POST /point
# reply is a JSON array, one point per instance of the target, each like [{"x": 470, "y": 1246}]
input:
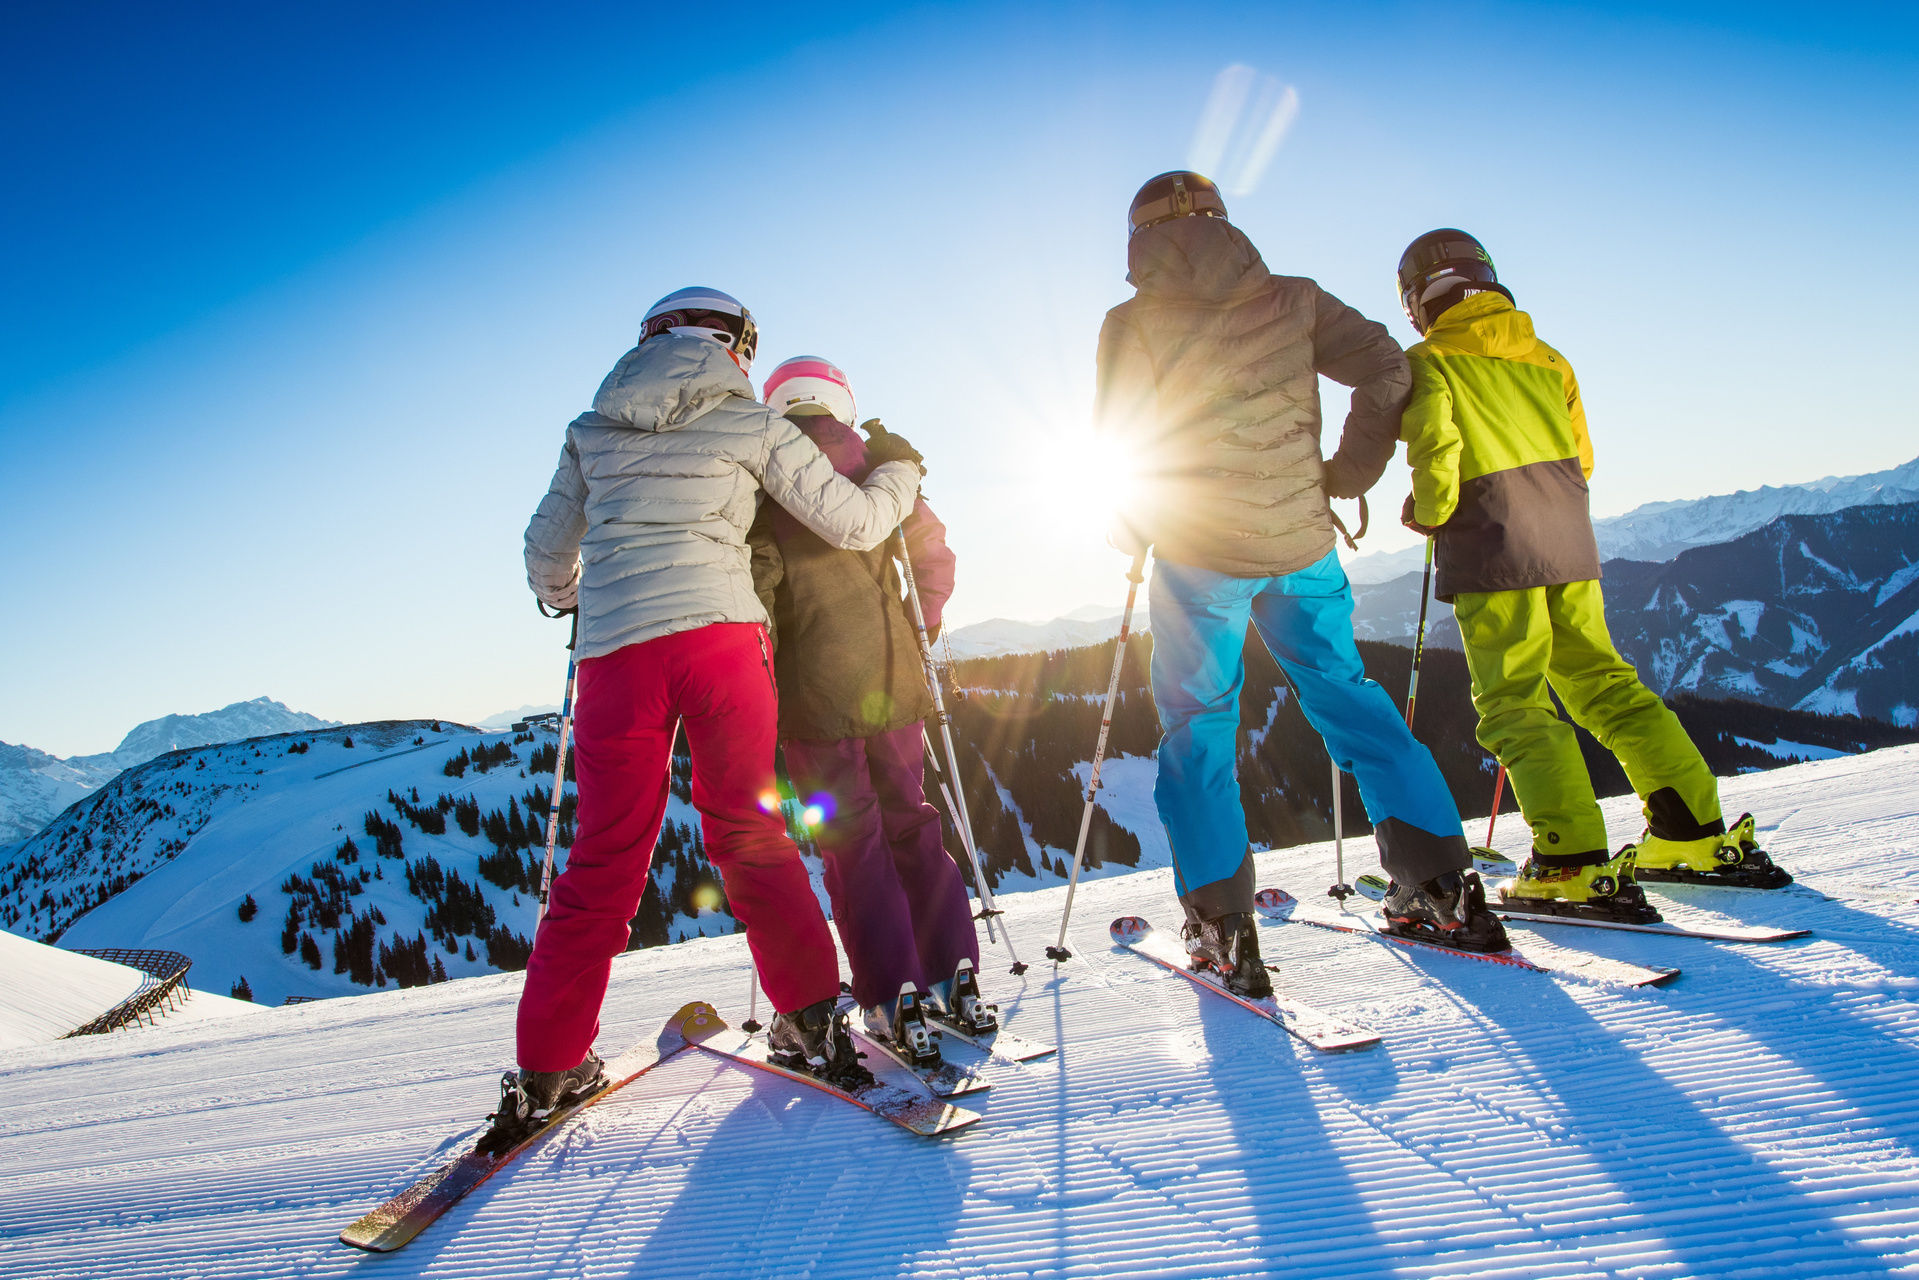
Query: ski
[
  {"x": 1710, "y": 932},
  {"x": 400, "y": 1219},
  {"x": 999, "y": 1042},
  {"x": 1278, "y": 905},
  {"x": 1492, "y": 865},
  {"x": 1321, "y": 1030},
  {"x": 944, "y": 1079},
  {"x": 896, "y": 1094}
]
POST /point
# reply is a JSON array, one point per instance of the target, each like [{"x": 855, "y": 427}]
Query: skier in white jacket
[{"x": 644, "y": 529}]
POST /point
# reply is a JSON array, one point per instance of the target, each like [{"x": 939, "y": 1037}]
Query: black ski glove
[
  {"x": 1406, "y": 518},
  {"x": 886, "y": 446}
]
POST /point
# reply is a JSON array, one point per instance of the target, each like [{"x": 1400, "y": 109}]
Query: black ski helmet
[
  {"x": 1436, "y": 264},
  {"x": 1178, "y": 194}
]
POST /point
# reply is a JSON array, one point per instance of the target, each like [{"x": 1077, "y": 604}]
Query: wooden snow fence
[{"x": 163, "y": 975}]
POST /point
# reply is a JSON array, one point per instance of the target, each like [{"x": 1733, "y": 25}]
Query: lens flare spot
[
  {"x": 770, "y": 801},
  {"x": 819, "y": 808},
  {"x": 813, "y": 815},
  {"x": 706, "y": 897}
]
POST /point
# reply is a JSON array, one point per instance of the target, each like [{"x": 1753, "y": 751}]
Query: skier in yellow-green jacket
[{"x": 1496, "y": 437}]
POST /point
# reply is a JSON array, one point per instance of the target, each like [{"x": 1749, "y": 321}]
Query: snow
[
  {"x": 1083, "y": 626},
  {"x": 1760, "y": 1117},
  {"x": 35, "y": 786},
  {"x": 1659, "y": 531},
  {"x": 1896, "y": 583},
  {"x": 1786, "y": 750},
  {"x": 49, "y": 991}
]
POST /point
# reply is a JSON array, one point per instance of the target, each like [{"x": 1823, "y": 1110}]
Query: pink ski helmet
[{"x": 809, "y": 384}]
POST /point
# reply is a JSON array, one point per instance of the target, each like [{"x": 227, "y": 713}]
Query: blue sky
[{"x": 301, "y": 301}]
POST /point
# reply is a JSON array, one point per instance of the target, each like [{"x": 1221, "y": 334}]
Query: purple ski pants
[{"x": 897, "y": 894}]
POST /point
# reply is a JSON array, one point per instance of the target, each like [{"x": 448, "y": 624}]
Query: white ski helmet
[
  {"x": 809, "y": 384},
  {"x": 694, "y": 312}
]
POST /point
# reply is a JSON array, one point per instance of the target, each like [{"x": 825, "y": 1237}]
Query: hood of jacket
[
  {"x": 1486, "y": 324},
  {"x": 1202, "y": 259},
  {"x": 668, "y": 381}
]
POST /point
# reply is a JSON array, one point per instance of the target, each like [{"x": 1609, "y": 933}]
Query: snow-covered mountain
[
  {"x": 1090, "y": 624},
  {"x": 507, "y": 719},
  {"x": 1661, "y": 530},
  {"x": 1759, "y": 1117},
  {"x": 34, "y": 786},
  {"x": 255, "y": 718},
  {"x": 329, "y": 861},
  {"x": 1818, "y": 612}
]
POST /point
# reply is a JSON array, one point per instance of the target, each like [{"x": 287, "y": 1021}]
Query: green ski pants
[{"x": 1518, "y": 643}]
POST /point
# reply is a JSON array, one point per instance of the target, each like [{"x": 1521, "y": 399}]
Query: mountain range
[
  {"x": 34, "y": 786},
  {"x": 1659, "y": 531},
  {"x": 1818, "y": 612}
]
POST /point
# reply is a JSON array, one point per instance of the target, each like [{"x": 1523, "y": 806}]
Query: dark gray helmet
[
  {"x": 1178, "y": 194},
  {"x": 1438, "y": 264}
]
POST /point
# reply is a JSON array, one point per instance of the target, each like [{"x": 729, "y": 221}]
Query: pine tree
[
  {"x": 248, "y": 908},
  {"x": 241, "y": 991}
]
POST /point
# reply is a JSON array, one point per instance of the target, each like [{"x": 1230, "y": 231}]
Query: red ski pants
[{"x": 718, "y": 681}]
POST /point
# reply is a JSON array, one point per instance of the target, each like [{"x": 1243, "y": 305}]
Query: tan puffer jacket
[
  {"x": 645, "y": 521},
  {"x": 1209, "y": 381}
]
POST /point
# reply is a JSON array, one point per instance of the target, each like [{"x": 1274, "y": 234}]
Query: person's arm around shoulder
[
  {"x": 1350, "y": 349},
  {"x": 553, "y": 535},
  {"x": 1433, "y": 445},
  {"x": 854, "y": 517}
]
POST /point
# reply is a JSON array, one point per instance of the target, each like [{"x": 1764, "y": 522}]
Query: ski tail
[{"x": 396, "y": 1223}]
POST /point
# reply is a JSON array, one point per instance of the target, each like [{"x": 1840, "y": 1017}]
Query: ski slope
[{"x": 1760, "y": 1117}]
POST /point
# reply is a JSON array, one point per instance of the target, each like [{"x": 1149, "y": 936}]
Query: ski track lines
[{"x": 1760, "y": 1117}]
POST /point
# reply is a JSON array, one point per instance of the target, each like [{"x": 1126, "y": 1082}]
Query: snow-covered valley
[{"x": 1759, "y": 1117}]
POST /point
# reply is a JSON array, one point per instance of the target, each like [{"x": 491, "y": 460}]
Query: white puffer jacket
[{"x": 645, "y": 522}]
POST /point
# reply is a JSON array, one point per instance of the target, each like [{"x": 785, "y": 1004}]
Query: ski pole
[
  {"x": 956, "y": 797},
  {"x": 1419, "y": 640},
  {"x": 1134, "y": 576},
  {"x": 559, "y": 760},
  {"x": 752, "y": 1024},
  {"x": 1340, "y": 890},
  {"x": 1499, "y": 788}
]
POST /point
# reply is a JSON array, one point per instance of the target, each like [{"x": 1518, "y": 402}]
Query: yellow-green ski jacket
[{"x": 1497, "y": 441}]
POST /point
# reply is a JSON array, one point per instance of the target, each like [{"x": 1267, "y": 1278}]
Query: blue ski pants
[{"x": 1305, "y": 619}]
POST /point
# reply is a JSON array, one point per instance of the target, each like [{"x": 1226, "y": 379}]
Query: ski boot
[
  {"x": 902, "y": 1024},
  {"x": 957, "y": 1000},
  {"x": 1733, "y": 858},
  {"x": 1229, "y": 946},
  {"x": 548, "y": 1089},
  {"x": 1449, "y": 910},
  {"x": 1595, "y": 886},
  {"x": 528, "y": 1098},
  {"x": 816, "y": 1040}
]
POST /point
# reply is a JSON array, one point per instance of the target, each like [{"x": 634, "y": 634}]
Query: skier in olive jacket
[
  {"x": 1209, "y": 379},
  {"x": 644, "y": 531},
  {"x": 853, "y": 698},
  {"x": 1496, "y": 436}
]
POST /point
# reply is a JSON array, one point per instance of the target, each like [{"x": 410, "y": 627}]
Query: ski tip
[
  {"x": 693, "y": 1023},
  {"x": 1129, "y": 929},
  {"x": 1275, "y": 903}
]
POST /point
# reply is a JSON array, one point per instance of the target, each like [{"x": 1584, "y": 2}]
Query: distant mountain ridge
[
  {"x": 1658, "y": 531},
  {"x": 35, "y": 786},
  {"x": 1816, "y": 612}
]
